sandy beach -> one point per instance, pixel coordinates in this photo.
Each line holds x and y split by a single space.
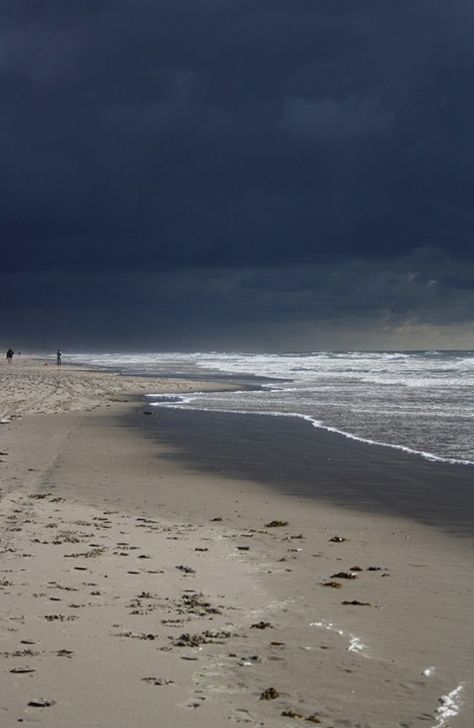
148 579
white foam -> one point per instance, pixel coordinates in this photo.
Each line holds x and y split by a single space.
355 644
429 671
162 400
329 626
427 455
450 707
316 423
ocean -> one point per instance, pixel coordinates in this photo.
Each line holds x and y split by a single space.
419 402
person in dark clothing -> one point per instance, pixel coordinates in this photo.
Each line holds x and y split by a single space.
58 357
10 353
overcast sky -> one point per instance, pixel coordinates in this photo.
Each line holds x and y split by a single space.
245 174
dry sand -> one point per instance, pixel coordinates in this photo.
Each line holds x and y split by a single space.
135 591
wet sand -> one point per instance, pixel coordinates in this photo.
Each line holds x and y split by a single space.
148 578
292 456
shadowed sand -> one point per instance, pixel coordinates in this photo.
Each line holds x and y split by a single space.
141 585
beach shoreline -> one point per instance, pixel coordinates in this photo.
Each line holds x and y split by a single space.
291 456
114 546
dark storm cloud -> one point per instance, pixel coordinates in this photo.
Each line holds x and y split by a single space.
332 121
232 173
420 300
157 135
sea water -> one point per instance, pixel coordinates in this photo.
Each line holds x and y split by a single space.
422 402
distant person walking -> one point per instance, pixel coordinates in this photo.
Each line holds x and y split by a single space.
10 353
58 357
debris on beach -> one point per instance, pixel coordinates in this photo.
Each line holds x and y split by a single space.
145 521
94 553
186 569
41 703
344 575
337 539
356 603
20 670
21 653
196 603
202 638
157 681
246 661
333 584
269 694
136 636
292 714
300 716
276 524
261 625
